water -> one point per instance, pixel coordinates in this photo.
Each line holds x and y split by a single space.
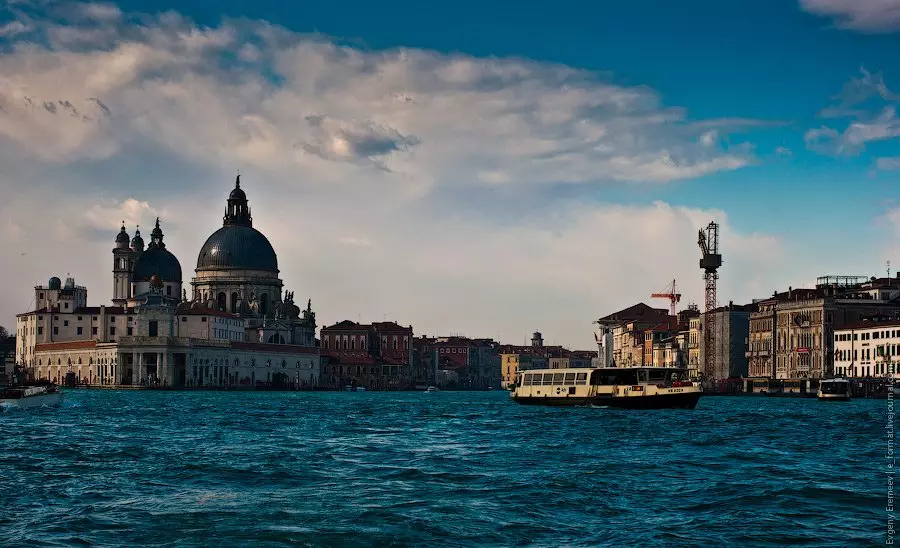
441 469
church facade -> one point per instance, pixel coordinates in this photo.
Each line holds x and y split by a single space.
236 329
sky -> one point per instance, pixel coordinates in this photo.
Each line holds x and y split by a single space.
484 169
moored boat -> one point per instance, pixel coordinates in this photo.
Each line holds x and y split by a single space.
26 397
622 387
834 390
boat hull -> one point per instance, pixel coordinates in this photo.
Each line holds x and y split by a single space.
661 401
29 402
834 397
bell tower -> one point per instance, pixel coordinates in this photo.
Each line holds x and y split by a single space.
123 262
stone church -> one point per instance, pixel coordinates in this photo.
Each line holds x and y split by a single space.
237 328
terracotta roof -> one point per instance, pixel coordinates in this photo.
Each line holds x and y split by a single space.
66 345
640 311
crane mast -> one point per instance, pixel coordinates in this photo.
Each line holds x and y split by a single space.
710 261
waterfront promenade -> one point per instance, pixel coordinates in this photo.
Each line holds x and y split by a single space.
440 469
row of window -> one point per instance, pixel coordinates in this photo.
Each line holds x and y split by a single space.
872 335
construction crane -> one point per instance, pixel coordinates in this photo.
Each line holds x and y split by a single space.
710 262
670 293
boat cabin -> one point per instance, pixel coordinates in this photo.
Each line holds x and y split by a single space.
609 376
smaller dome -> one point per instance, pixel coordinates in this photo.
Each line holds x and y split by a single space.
122 238
156 281
137 243
237 193
55 283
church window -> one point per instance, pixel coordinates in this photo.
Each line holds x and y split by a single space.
93 331
56 331
154 328
283 364
112 331
67 306
221 301
234 301
41 296
264 304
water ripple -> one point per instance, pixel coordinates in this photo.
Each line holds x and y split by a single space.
447 469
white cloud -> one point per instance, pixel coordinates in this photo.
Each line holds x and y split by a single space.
12 29
783 151
873 16
403 182
869 110
888 163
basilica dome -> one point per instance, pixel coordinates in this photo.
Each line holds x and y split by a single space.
157 260
237 247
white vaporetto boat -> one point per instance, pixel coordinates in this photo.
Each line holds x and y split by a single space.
623 387
834 390
26 397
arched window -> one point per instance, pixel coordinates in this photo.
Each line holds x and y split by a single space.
221 301
234 302
283 364
264 304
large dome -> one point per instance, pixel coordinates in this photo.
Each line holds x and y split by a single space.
237 247
157 261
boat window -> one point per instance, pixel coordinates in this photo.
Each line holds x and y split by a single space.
570 379
657 375
558 378
642 376
581 378
528 379
548 379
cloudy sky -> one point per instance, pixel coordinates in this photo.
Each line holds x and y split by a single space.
474 169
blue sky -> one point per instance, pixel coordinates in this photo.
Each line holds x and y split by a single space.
549 163
766 60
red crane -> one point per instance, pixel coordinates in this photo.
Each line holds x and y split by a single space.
671 293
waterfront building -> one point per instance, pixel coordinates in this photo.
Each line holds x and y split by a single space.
695 346
732 328
792 333
515 358
620 338
868 349
155 335
375 356
475 363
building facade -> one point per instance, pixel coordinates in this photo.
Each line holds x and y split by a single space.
156 336
868 349
375 356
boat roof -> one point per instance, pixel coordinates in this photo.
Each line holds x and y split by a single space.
834 380
605 369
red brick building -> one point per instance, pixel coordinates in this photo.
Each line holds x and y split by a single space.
376 356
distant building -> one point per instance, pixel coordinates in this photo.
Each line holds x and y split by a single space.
375 356
620 336
236 330
792 334
732 327
868 349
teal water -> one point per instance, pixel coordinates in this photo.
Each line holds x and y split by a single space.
131 468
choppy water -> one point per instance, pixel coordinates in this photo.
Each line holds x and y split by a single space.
439 469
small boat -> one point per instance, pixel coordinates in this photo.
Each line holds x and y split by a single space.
432 389
622 387
834 390
26 397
